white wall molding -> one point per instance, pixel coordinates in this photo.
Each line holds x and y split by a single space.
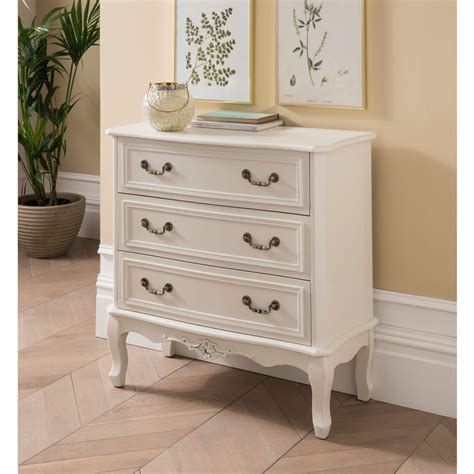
86 184
89 186
416 339
415 300
415 350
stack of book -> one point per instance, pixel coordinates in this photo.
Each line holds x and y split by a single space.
243 121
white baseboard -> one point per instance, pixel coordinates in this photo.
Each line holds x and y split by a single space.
89 186
415 349
86 184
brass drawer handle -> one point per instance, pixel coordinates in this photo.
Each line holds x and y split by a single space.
168 288
274 305
274 242
273 178
167 167
168 227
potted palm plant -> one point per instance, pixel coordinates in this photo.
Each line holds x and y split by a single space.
48 221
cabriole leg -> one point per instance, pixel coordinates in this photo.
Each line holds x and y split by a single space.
321 376
168 348
118 350
363 374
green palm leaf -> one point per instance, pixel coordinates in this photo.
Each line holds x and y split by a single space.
79 30
42 123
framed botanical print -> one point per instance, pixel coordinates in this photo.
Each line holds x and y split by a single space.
214 49
321 53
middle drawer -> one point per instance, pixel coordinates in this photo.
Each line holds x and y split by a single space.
229 237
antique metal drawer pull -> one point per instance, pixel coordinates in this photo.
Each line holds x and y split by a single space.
146 166
274 242
274 305
168 288
273 178
167 227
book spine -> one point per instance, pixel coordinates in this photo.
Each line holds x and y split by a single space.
238 120
269 125
241 127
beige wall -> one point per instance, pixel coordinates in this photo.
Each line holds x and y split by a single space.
83 135
411 55
26 13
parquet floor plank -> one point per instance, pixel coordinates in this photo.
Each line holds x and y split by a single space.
443 442
90 393
382 468
149 421
92 464
425 460
54 357
24 270
46 416
362 434
40 280
35 324
248 436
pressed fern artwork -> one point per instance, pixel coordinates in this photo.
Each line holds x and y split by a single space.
213 44
320 49
213 48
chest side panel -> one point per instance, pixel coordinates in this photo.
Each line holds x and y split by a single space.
342 293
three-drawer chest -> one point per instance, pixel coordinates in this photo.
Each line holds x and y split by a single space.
246 244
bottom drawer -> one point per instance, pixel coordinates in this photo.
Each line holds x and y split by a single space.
245 302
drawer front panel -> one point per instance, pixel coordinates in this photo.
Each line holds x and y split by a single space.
215 175
213 234
213 297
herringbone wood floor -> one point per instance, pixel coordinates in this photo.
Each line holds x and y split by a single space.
177 415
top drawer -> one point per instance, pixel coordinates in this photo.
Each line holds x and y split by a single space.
243 177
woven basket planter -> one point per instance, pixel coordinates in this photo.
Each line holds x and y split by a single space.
49 231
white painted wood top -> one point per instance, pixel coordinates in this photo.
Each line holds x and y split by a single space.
282 138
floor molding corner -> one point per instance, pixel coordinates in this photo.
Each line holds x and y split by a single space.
89 186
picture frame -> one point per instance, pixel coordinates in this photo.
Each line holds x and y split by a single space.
296 84
231 82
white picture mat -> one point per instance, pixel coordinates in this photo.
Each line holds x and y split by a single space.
239 23
344 50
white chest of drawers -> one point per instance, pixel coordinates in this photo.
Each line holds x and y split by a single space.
249 244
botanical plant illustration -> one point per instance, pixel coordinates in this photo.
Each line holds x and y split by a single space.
339 76
212 45
305 26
